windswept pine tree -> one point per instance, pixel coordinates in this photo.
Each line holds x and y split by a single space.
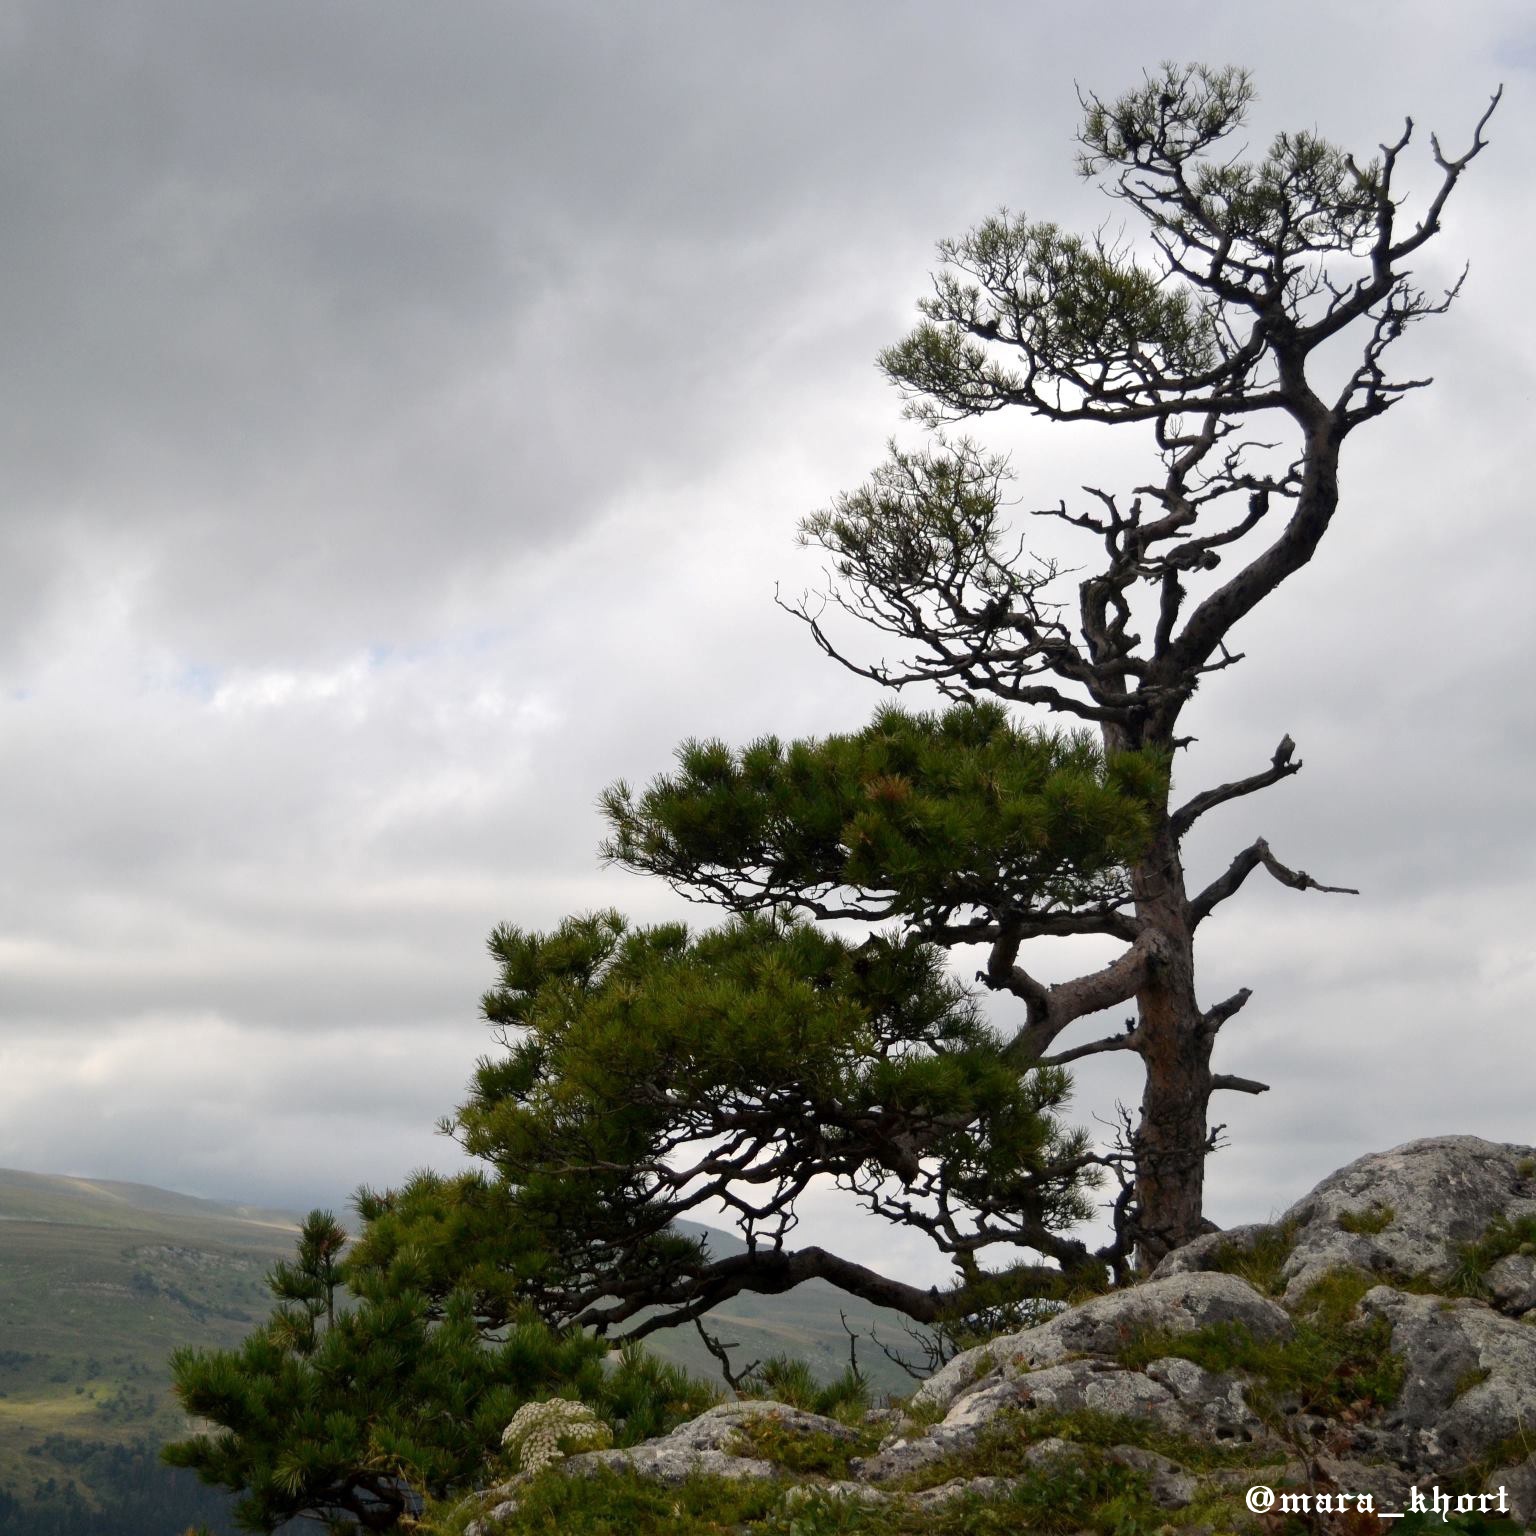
1243 327
1244 330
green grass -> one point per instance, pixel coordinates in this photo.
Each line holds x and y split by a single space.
1088 1492
1098 1497
1330 1362
807 1453
620 1504
1367 1223
1086 1427
1469 1379
98 1283
1502 1237
1260 1264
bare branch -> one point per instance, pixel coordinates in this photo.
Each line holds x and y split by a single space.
1213 1018
1238 1084
1052 1009
853 1347
768 1272
1129 1041
721 1351
1282 766
1256 854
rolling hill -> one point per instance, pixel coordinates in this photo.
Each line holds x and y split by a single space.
100 1281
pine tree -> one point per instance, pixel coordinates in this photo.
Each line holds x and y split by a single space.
364 1392
1241 329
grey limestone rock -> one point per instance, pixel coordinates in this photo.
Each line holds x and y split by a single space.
708 1444
843 1489
961 1487
1095 1385
1518 1484
1386 1483
1175 1304
1177 1393
1171 1486
1211 1404
903 1457
1428 1196
705 1445
1471 1374
1200 1255
1512 1283
929 1498
1470 1385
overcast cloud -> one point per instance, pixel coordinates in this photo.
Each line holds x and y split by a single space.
405 415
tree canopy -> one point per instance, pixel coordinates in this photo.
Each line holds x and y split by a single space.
373 1387
655 1073
1242 331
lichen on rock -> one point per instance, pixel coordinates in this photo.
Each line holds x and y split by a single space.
1187 1384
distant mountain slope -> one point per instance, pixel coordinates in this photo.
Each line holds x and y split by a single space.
101 1280
806 1323
108 1202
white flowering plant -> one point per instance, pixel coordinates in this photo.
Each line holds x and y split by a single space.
542 1433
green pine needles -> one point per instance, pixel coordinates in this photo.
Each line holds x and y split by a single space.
372 1388
352 1406
930 818
655 1074
647 1074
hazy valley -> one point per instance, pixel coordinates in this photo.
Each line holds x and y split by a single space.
100 1281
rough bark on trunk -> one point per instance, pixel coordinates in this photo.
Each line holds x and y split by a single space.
1171 1139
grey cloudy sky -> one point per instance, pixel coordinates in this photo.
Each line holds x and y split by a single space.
404 419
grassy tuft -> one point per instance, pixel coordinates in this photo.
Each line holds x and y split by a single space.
1367 1223
788 1380
1469 1379
1469 1274
771 1438
1331 1361
609 1503
1087 1427
1262 1263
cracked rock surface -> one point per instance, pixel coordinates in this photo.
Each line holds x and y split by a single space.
1429 1197
1468 1398
1179 1303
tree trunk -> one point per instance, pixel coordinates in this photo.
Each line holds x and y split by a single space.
1175 1045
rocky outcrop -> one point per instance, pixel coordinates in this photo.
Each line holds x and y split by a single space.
1403 1214
1187 1383
1470 1383
709 1445
1178 1304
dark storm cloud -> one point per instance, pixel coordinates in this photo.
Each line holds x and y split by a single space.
405 416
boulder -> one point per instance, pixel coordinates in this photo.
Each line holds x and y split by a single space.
1518 1485
1512 1284
710 1444
1471 1379
707 1445
1401 1214
1468 1398
1067 1365
1171 1486
1177 1303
